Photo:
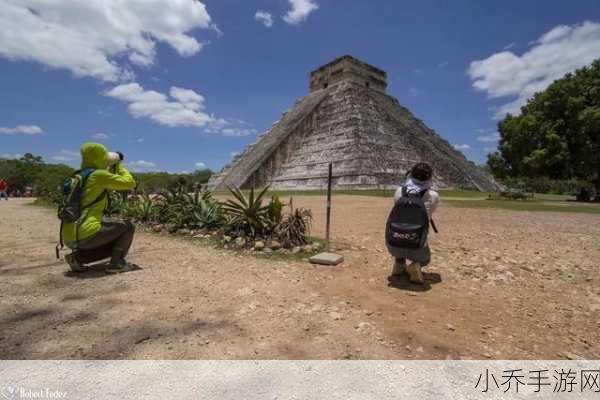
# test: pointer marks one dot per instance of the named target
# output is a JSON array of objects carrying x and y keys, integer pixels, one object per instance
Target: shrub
[
  {"x": 295, "y": 227},
  {"x": 247, "y": 215}
]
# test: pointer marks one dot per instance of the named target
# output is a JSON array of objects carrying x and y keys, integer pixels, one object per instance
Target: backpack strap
[
  {"x": 422, "y": 193},
  {"x": 404, "y": 191}
]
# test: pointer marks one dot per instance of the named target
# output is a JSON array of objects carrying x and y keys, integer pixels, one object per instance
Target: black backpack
[
  {"x": 408, "y": 224},
  {"x": 70, "y": 207}
]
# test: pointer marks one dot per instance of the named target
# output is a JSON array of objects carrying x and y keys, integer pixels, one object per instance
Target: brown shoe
[
  {"x": 414, "y": 272},
  {"x": 75, "y": 265}
]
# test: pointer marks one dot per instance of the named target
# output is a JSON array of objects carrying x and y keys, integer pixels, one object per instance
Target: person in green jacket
[{"x": 92, "y": 238}]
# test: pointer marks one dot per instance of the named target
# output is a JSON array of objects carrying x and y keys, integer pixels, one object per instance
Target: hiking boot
[
  {"x": 75, "y": 265},
  {"x": 399, "y": 267},
  {"x": 120, "y": 268},
  {"x": 414, "y": 272}
]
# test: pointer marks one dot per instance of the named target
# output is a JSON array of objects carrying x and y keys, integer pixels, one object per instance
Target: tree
[{"x": 557, "y": 134}]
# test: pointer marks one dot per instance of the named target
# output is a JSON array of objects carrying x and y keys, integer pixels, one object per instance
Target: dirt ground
[{"x": 502, "y": 285}]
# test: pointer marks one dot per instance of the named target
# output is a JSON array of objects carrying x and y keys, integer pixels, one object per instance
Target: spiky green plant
[
  {"x": 247, "y": 214},
  {"x": 143, "y": 208}
]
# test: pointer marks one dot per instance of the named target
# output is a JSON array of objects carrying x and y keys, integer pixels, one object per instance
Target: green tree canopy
[{"x": 557, "y": 134}]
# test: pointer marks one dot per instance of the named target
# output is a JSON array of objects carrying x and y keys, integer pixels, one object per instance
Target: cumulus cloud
[
  {"x": 300, "y": 11},
  {"x": 462, "y": 147},
  {"x": 264, "y": 18},
  {"x": 7, "y": 156},
  {"x": 561, "y": 50},
  {"x": 489, "y": 138},
  {"x": 22, "y": 130},
  {"x": 66, "y": 156},
  {"x": 200, "y": 165},
  {"x": 183, "y": 107},
  {"x": 140, "y": 165},
  {"x": 100, "y": 136},
  {"x": 230, "y": 127},
  {"x": 97, "y": 38}
]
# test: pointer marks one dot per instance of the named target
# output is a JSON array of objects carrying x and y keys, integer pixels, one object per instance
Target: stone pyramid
[{"x": 350, "y": 121}]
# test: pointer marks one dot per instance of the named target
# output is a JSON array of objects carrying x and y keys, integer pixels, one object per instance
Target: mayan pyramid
[{"x": 350, "y": 121}]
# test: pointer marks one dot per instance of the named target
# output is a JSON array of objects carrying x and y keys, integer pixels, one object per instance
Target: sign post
[
  {"x": 328, "y": 227},
  {"x": 327, "y": 258}
]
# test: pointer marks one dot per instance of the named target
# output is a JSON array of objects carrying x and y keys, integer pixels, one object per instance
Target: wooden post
[{"x": 328, "y": 207}]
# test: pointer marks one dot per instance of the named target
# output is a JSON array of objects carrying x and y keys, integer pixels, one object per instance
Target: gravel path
[{"x": 502, "y": 285}]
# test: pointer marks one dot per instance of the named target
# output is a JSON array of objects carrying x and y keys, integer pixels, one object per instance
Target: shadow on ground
[{"x": 403, "y": 283}]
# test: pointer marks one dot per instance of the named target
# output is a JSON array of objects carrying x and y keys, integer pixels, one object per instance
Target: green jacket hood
[{"x": 94, "y": 155}]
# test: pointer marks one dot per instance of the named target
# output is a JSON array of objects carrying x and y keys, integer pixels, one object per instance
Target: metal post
[{"x": 328, "y": 207}]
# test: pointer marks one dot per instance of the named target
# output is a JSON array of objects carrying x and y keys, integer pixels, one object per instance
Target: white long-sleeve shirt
[{"x": 431, "y": 198}]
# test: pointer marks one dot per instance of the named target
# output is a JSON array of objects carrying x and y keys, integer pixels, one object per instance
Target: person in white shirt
[{"x": 413, "y": 260}]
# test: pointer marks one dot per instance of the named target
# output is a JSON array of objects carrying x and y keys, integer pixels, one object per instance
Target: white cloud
[
  {"x": 200, "y": 165},
  {"x": 561, "y": 50},
  {"x": 140, "y": 140},
  {"x": 234, "y": 154},
  {"x": 489, "y": 138},
  {"x": 8, "y": 156},
  {"x": 415, "y": 91},
  {"x": 140, "y": 165},
  {"x": 462, "y": 147},
  {"x": 230, "y": 127},
  {"x": 183, "y": 108},
  {"x": 264, "y": 17},
  {"x": 100, "y": 136},
  {"x": 97, "y": 38},
  {"x": 66, "y": 156},
  {"x": 22, "y": 129},
  {"x": 490, "y": 149},
  {"x": 300, "y": 11}
]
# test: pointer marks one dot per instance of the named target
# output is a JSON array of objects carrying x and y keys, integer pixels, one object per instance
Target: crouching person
[
  {"x": 83, "y": 229},
  {"x": 408, "y": 224}
]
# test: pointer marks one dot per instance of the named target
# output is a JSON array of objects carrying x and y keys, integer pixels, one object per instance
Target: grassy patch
[{"x": 528, "y": 205}]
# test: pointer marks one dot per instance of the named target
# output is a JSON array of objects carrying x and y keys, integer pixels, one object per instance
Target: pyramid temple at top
[{"x": 350, "y": 121}]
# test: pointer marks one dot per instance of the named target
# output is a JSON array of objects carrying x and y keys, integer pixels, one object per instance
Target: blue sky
[{"x": 180, "y": 84}]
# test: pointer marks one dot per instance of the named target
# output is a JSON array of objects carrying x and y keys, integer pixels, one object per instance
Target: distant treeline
[{"x": 31, "y": 174}]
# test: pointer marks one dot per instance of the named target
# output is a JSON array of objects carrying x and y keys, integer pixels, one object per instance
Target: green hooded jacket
[{"x": 95, "y": 155}]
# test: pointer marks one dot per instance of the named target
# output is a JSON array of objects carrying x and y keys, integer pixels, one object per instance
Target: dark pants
[{"x": 113, "y": 241}]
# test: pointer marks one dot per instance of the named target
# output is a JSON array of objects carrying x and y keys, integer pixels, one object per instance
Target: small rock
[
  {"x": 183, "y": 231},
  {"x": 158, "y": 228},
  {"x": 275, "y": 245},
  {"x": 259, "y": 245},
  {"x": 316, "y": 246},
  {"x": 227, "y": 239},
  {"x": 307, "y": 248},
  {"x": 296, "y": 250},
  {"x": 240, "y": 242},
  {"x": 368, "y": 313},
  {"x": 450, "y": 327},
  {"x": 487, "y": 355},
  {"x": 335, "y": 315},
  {"x": 267, "y": 250}
]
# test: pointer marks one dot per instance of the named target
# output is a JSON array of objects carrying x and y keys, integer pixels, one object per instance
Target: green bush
[{"x": 546, "y": 185}]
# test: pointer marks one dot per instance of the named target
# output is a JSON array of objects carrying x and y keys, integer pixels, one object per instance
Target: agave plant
[
  {"x": 143, "y": 208},
  {"x": 247, "y": 214},
  {"x": 274, "y": 212}
]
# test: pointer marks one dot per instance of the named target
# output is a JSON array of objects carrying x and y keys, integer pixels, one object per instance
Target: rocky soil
[{"x": 502, "y": 285}]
